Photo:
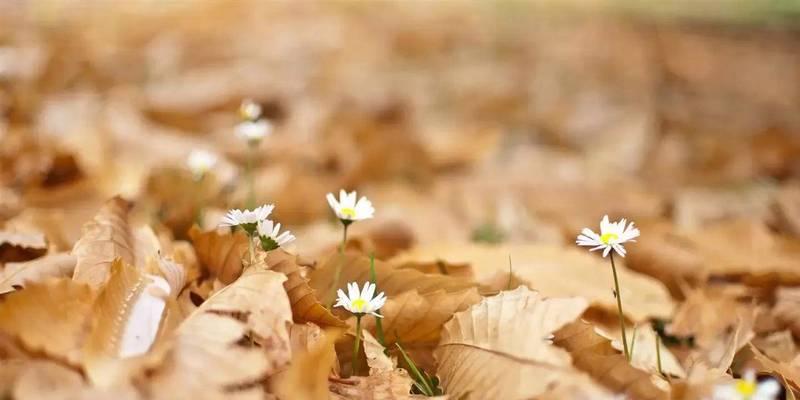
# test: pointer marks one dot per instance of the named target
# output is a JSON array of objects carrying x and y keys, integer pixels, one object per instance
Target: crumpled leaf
[
  {"x": 790, "y": 371},
  {"x": 594, "y": 354},
  {"x": 53, "y": 305},
  {"x": 306, "y": 306},
  {"x": 307, "y": 376},
  {"x": 491, "y": 350},
  {"x": 19, "y": 275},
  {"x": 221, "y": 332},
  {"x": 557, "y": 272},
  {"x": 390, "y": 280},
  {"x": 127, "y": 318},
  {"x": 220, "y": 253},
  {"x": 108, "y": 237},
  {"x": 645, "y": 357},
  {"x": 787, "y": 307},
  {"x": 21, "y": 246}
]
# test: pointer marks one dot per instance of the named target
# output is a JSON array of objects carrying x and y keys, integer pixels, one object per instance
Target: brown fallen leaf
[
  {"x": 789, "y": 371},
  {"x": 706, "y": 315},
  {"x": 787, "y": 307},
  {"x": 699, "y": 383},
  {"x": 127, "y": 318},
  {"x": 220, "y": 253},
  {"x": 18, "y": 275},
  {"x": 21, "y": 246},
  {"x": 221, "y": 333},
  {"x": 778, "y": 346},
  {"x": 415, "y": 320},
  {"x": 594, "y": 354},
  {"x": 108, "y": 237},
  {"x": 307, "y": 376},
  {"x": 306, "y": 306},
  {"x": 390, "y": 280},
  {"x": 491, "y": 349},
  {"x": 31, "y": 316},
  {"x": 557, "y": 272},
  {"x": 645, "y": 356}
]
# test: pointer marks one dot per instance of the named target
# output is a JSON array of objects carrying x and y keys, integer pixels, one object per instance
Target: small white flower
[
  {"x": 360, "y": 303},
  {"x": 270, "y": 236},
  {"x": 200, "y": 162},
  {"x": 249, "y": 110},
  {"x": 253, "y": 131},
  {"x": 612, "y": 236},
  {"x": 747, "y": 389},
  {"x": 348, "y": 209},
  {"x": 247, "y": 219}
]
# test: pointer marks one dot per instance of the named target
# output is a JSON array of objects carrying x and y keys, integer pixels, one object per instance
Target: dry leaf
[
  {"x": 54, "y": 305},
  {"x": 307, "y": 376},
  {"x": 21, "y": 274},
  {"x": 21, "y": 246},
  {"x": 645, "y": 356},
  {"x": 790, "y": 372},
  {"x": 305, "y": 304},
  {"x": 778, "y": 346},
  {"x": 594, "y": 354},
  {"x": 787, "y": 307},
  {"x": 390, "y": 280},
  {"x": 491, "y": 350},
  {"x": 221, "y": 332},
  {"x": 109, "y": 237},
  {"x": 220, "y": 253},
  {"x": 557, "y": 272},
  {"x": 126, "y": 320}
]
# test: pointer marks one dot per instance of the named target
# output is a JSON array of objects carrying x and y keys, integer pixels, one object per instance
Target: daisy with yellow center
[
  {"x": 269, "y": 233},
  {"x": 612, "y": 236},
  {"x": 252, "y": 130},
  {"x": 360, "y": 303},
  {"x": 748, "y": 388},
  {"x": 248, "y": 220}
]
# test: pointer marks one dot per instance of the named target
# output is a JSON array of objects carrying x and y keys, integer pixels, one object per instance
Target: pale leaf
[
  {"x": 53, "y": 305},
  {"x": 51, "y": 266},
  {"x": 307, "y": 376},
  {"x": 21, "y": 246},
  {"x": 492, "y": 349}
]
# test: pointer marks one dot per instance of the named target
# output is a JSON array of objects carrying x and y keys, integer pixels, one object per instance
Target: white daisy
[
  {"x": 200, "y": 162},
  {"x": 348, "y": 209},
  {"x": 612, "y": 236},
  {"x": 249, "y": 110},
  {"x": 253, "y": 131},
  {"x": 268, "y": 233},
  {"x": 361, "y": 303},
  {"x": 748, "y": 389},
  {"x": 247, "y": 219}
]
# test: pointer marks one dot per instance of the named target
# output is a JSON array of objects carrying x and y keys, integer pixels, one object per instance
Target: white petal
[
  {"x": 767, "y": 390},
  {"x": 352, "y": 291},
  {"x": 332, "y": 201},
  {"x": 606, "y": 251}
]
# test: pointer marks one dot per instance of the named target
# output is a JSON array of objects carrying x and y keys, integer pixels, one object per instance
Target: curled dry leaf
[
  {"x": 21, "y": 246},
  {"x": 415, "y": 320},
  {"x": 31, "y": 316},
  {"x": 306, "y": 306},
  {"x": 789, "y": 371},
  {"x": 307, "y": 376},
  {"x": 787, "y": 308},
  {"x": 491, "y": 350},
  {"x": 557, "y": 272},
  {"x": 220, "y": 253},
  {"x": 18, "y": 275},
  {"x": 699, "y": 383},
  {"x": 392, "y": 281},
  {"x": 778, "y": 346},
  {"x": 108, "y": 237},
  {"x": 593, "y": 353},
  {"x": 645, "y": 356},
  {"x": 127, "y": 317},
  {"x": 220, "y": 333}
]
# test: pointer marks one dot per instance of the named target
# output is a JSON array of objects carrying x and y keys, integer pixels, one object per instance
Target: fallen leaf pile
[{"x": 485, "y": 135}]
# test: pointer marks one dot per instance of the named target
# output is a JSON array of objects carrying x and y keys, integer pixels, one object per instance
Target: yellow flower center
[
  {"x": 359, "y": 304},
  {"x": 745, "y": 388},
  {"x": 348, "y": 212},
  {"x": 608, "y": 237}
]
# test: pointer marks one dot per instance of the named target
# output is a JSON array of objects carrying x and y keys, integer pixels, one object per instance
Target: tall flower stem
[
  {"x": 378, "y": 321},
  {"x": 251, "y": 186},
  {"x": 618, "y": 295},
  {"x": 357, "y": 344},
  {"x": 338, "y": 273}
]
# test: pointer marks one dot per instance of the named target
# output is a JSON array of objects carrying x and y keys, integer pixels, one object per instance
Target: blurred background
[{"x": 462, "y": 121}]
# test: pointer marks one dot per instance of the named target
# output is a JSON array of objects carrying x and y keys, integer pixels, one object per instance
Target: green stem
[
  {"x": 251, "y": 186},
  {"x": 357, "y": 345},
  {"x": 344, "y": 238},
  {"x": 425, "y": 386},
  {"x": 378, "y": 320},
  {"x": 618, "y": 295}
]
